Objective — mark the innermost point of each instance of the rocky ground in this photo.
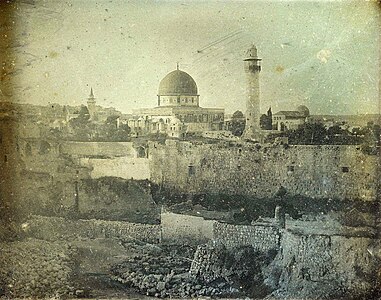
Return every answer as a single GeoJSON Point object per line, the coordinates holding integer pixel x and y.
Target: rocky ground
{"type": "Point", "coordinates": [36, 268]}
{"type": "Point", "coordinates": [311, 267]}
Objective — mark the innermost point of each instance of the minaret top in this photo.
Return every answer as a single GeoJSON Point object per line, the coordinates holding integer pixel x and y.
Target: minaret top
{"type": "Point", "coordinates": [91, 93]}
{"type": "Point", "coordinates": [91, 97]}
{"type": "Point", "coordinates": [252, 53]}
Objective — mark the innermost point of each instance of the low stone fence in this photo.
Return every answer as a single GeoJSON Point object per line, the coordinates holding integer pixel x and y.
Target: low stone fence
{"type": "Point", "coordinates": [261, 237]}
{"type": "Point", "coordinates": [55, 228]}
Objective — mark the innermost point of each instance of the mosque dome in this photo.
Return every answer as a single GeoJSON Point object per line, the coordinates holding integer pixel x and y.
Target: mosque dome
{"type": "Point", "coordinates": [177, 83]}
{"type": "Point", "coordinates": [303, 110]}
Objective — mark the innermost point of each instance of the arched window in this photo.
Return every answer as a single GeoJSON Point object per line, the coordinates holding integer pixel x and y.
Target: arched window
{"type": "Point", "coordinates": [141, 152]}
{"type": "Point", "coordinates": [44, 147]}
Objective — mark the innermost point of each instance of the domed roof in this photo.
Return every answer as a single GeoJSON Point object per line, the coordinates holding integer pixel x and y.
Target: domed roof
{"type": "Point", "coordinates": [175, 121]}
{"type": "Point", "coordinates": [303, 110]}
{"type": "Point", "coordinates": [177, 83]}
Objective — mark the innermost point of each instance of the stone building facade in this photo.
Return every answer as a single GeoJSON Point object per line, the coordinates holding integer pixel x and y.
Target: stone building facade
{"type": "Point", "coordinates": [178, 112]}
{"type": "Point", "coordinates": [290, 120]}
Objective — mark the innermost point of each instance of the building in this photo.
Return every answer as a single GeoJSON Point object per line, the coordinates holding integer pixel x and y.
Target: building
{"type": "Point", "coordinates": [178, 112]}
{"type": "Point", "coordinates": [290, 120]}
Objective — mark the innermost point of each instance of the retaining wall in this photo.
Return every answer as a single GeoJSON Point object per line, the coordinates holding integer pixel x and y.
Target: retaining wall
{"type": "Point", "coordinates": [261, 238]}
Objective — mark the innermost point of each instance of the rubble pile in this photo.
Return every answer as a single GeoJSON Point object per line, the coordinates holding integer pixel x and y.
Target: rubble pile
{"type": "Point", "coordinates": [35, 268]}
{"type": "Point", "coordinates": [165, 275]}
{"type": "Point", "coordinates": [240, 268]}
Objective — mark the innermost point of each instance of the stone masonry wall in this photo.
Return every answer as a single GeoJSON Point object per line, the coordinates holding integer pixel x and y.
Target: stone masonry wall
{"type": "Point", "coordinates": [259, 170]}
{"type": "Point", "coordinates": [261, 238]}
{"type": "Point", "coordinates": [52, 229]}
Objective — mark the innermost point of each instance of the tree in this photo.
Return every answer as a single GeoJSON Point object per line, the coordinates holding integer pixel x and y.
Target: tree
{"type": "Point", "coordinates": [109, 131]}
{"type": "Point", "coordinates": [81, 125]}
{"type": "Point", "coordinates": [334, 130]}
{"type": "Point", "coordinates": [237, 123]}
{"type": "Point", "coordinates": [266, 120]}
{"type": "Point", "coordinates": [309, 134]}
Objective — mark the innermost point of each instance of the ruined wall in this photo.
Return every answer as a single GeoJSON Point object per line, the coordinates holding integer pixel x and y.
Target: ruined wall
{"type": "Point", "coordinates": [117, 199]}
{"type": "Point", "coordinates": [261, 238]}
{"type": "Point", "coordinates": [322, 266]}
{"type": "Point", "coordinates": [123, 167]}
{"type": "Point", "coordinates": [51, 170]}
{"type": "Point", "coordinates": [259, 170]}
{"type": "Point", "coordinates": [38, 155]}
{"type": "Point", "coordinates": [53, 229]}
{"type": "Point", "coordinates": [185, 228]}
{"type": "Point", "coordinates": [117, 159]}
{"type": "Point", "coordinates": [108, 149]}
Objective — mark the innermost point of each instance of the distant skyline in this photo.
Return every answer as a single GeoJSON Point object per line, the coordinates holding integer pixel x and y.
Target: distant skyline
{"type": "Point", "coordinates": [324, 55]}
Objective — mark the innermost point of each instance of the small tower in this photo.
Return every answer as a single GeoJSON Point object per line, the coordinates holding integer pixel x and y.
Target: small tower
{"type": "Point", "coordinates": [252, 66]}
{"type": "Point", "coordinates": [91, 106]}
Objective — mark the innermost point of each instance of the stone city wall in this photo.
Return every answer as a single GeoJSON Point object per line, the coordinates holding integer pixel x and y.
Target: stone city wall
{"type": "Point", "coordinates": [54, 228]}
{"type": "Point", "coordinates": [261, 238]}
{"type": "Point", "coordinates": [259, 170]}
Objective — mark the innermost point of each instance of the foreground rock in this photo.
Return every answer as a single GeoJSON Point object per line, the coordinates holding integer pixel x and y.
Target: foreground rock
{"type": "Point", "coordinates": [35, 268]}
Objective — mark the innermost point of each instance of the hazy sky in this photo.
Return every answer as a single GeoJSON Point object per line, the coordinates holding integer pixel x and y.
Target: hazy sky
{"type": "Point", "coordinates": [321, 54]}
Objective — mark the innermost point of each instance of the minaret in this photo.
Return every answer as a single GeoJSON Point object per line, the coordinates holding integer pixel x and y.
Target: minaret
{"type": "Point", "coordinates": [91, 105]}
{"type": "Point", "coordinates": [252, 68]}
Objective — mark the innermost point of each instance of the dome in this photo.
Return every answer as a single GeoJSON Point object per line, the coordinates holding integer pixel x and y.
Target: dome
{"type": "Point", "coordinates": [175, 121]}
{"type": "Point", "coordinates": [177, 83]}
{"type": "Point", "coordinates": [303, 110]}
{"type": "Point", "coordinates": [238, 115]}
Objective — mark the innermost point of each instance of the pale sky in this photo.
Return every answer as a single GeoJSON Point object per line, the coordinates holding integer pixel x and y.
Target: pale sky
{"type": "Point", "coordinates": [321, 54]}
